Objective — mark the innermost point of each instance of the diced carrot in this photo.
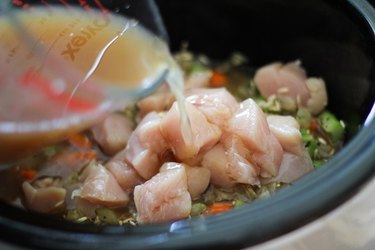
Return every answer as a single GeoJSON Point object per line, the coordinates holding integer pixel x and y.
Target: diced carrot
{"type": "Point", "coordinates": [80, 140]}
{"type": "Point", "coordinates": [219, 207]}
{"type": "Point", "coordinates": [314, 125]}
{"type": "Point", "coordinates": [28, 174]}
{"type": "Point", "coordinates": [218, 79]}
{"type": "Point", "coordinates": [89, 155]}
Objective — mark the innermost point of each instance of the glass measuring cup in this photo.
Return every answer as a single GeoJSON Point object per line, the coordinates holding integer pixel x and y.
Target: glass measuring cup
{"type": "Point", "coordinates": [65, 64]}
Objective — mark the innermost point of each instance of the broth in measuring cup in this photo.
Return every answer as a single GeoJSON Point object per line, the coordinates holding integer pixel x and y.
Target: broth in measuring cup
{"type": "Point", "coordinates": [61, 63]}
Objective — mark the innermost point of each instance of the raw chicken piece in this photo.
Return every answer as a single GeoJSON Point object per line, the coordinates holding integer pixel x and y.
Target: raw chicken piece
{"type": "Point", "coordinates": [249, 123]}
{"type": "Point", "coordinates": [228, 164]}
{"type": "Point", "coordinates": [125, 174]}
{"type": "Point", "coordinates": [286, 130]}
{"type": "Point", "coordinates": [269, 163]}
{"type": "Point", "coordinates": [164, 197]}
{"type": "Point", "coordinates": [205, 134]}
{"type": "Point", "coordinates": [101, 188]}
{"type": "Point", "coordinates": [49, 198]}
{"type": "Point", "coordinates": [159, 101]}
{"type": "Point", "coordinates": [198, 178]}
{"type": "Point", "coordinates": [113, 133]}
{"type": "Point", "coordinates": [199, 79]}
{"type": "Point", "coordinates": [319, 97]}
{"type": "Point", "coordinates": [287, 82]}
{"type": "Point", "coordinates": [218, 105]}
{"type": "Point", "coordinates": [146, 146]}
{"type": "Point", "coordinates": [292, 168]}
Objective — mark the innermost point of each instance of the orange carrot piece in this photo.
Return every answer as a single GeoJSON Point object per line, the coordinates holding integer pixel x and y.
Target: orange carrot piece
{"type": "Point", "coordinates": [89, 155]}
{"type": "Point", "coordinates": [314, 125]}
{"type": "Point", "coordinates": [219, 207]}
{"type": "Point", "coordinates": [218, 79]}
{"type": "Point", "coordinates": [80, 140]}
{"type": "Point", "coordinates": [28, 174]}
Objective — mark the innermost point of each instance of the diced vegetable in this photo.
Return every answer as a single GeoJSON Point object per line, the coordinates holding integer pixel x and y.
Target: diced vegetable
{"type": "Point", "coordinates": [196, 67]}
{"type": "Point", "coordinates": [107, 215]}
{"type": "Point", "coordinates": [332, 126]}
{"type": "Point", "coordinates": [239, 203]}
{"type": "Point", "coordinates": [310, 142]}
{"type": "Point", "coordinates": [28, 174]}
{"type": "Point", "coordinates": [197, 209]}
{"type": "Point", "coordinates": [218, 79]}
{"type": "Point", "coordinates": [80, 140]}
{"type": "Point", "coordinates": [74, 216]}
{"type": "Point", "coordinates": [219, 207]}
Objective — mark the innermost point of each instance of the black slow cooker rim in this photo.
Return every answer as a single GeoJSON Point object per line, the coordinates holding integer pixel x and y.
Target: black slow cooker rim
{"type": "Point", "coordinates": [292, 208]}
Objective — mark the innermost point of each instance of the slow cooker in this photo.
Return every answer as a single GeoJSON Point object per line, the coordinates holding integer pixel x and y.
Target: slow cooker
{"type": "Point", "coordinates": [331, 208]}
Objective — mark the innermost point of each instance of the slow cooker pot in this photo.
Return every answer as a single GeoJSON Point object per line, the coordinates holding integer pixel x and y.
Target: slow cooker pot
{"type": "Point", "coordinates": [335, 40]}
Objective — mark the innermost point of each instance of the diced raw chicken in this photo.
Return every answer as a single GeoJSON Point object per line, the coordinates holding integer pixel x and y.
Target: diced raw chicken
{"type": "Point", "coordinates": [319, 98]}
{"type": "Point", "coordinates": [269, 163]}
{"type": "Point", "coordinates": [198, 178]}
{"type": "Point", "coordinates": [286, 130]}
{"type": "Point", "coordinates": [218, 105]}
{"type": "Point", "coordinates": [200, 79]}
{"type": "Point", "coordinates": [288, 82]}
{"type": "Point", "coordinates": [125, 174]}
{"type": "Point", "coordinates": [292, 168]}
{"type": "Point", "coordinates": [205, 134]}
{"type": "Point", "coordinates": [249, 123]}
{"type": "Point", "coordinates": [164, 197]}
{"type": "Point", "coordinates": [159, 101]}
{"type": "Point", "coordinates": [101, 188]}
{"type": "Point", "coordinates": [146, 146]}
{"type": "Point", "coordinates": [113, 133]}
{"type": "Point", "coordinates": [228, 164]}
{"type": "Point", "coordinates": [49, 199]}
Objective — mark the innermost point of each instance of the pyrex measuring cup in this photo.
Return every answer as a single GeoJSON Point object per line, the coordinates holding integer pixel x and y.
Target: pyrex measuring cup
{"type": "Point", "coordinates": [65, 64]}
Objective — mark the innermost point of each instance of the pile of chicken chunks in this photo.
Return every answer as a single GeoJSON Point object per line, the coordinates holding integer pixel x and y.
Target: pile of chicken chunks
{"type": "Point", "coordinates": [233, 142]}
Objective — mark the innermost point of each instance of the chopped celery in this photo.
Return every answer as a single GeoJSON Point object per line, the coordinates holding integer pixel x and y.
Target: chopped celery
{"type": "Point", "coordinates": [51, 150]}
{"type": "Point", "coordinates": [106, 215]}
{"type": "Point", "coordinates": [318, 163]}
{"type": "Point", "coordinates": [74, 216]}
{"type": "Point", "coordinates": [332, 126]}
{"type": "Point", "coordinates": [197, 209]}
{"type": "Point", "coordinates": [196, 67]}
{"type": "Point", "coordinates": [310, 142]}
{"type": "Point", "coordinates": [239, 203]}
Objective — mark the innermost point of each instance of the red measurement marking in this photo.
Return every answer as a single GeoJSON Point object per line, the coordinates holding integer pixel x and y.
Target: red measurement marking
{"type": "Point", "coordinates": [64, 3]}
{"type": "Point", "coordinates": [45, 3]}
{"type": "Point", "coordinates": [84, 5]}
{"type": "Point", "coordinates": [17, 3]}
{"type": "Point", "coordinates": [101, 7]}
{"type": "Point", "coordinates": [35, 79]}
